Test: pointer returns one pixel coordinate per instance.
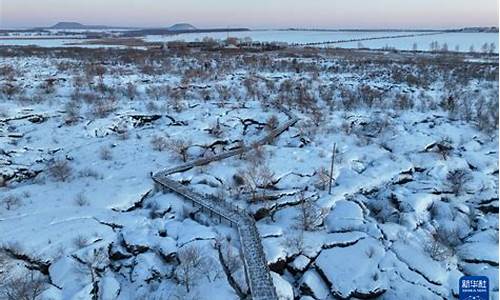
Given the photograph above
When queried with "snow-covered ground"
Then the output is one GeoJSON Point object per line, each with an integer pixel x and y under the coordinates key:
{"type": "Point", "coordinates": [400, 40]}
{"type": "Point", "coordinates": [414, 202]}
{"type": "Point", "coordinates": [454, 41]}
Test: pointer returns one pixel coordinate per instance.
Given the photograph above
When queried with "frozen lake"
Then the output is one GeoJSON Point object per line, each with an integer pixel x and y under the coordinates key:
{"type": "Point", "coordinates": [53, 42]}
{"type": "Point", "coordinates": [343, 39]}
{"type": "Point", "coordinates": [463, 40]}
{"type": "Point", "coordinates": [41, 42]}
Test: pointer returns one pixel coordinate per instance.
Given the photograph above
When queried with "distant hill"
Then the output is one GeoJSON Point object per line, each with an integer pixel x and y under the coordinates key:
{"type": "Point", "coordinates": [68, 25]}
{"type": "Point", "coordinates": [80, 26]}
{"type": "Point", "coordinates": [182, 27]}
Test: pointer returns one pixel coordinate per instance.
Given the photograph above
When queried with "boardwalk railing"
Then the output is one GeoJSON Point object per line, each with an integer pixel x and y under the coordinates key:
{"type": "Point", "coordinates": [256, 268]}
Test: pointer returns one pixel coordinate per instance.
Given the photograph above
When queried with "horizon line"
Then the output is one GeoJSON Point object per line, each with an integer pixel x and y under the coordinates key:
{"type": "Point", "coordinates": [250, 28]}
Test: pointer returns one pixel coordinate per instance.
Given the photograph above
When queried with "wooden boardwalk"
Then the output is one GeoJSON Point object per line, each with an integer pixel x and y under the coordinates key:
{"type": "Point", "coordinates": [256, 268]}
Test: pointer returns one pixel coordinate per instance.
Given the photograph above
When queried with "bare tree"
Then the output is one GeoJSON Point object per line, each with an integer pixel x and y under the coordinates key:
{"type": "Point", "coordinates": [323, 178]}
{"type": "Point", "coordinates": [295, 241]}
{"type": "Point", "coordinates": [11, 201]}
{"type": "Point", "coordinates": [190, 262]}
{"type": "Point", "coordinates": [94, 265]}
{"type": "Point", "coordinates": [216, 129]}
{"type": "Point", "coordinates": [26, 286]}
{"type": "Point", "coordinates": [210, 268]}
{"type": "Point", "coordinates": [310, 215]}
{"type": "Point", "coordinates": [224, 94]}
{"type": "Point", "coordinates": [130, 91]}
{"type": "Point", "coordinates": [72, 109]}
{"type": "Point", "coordinates": [231, 260]}
{"type": "Point", "coordinates": [180, 147]}
{"type": "Point", "coordinates": [272, 123]}
{"type": "Point", "coordinates": [159, 143]}
{"type": "Point", "coordinates": [256, 179]}
{"type": "Point", "coordinates": [457, 179]}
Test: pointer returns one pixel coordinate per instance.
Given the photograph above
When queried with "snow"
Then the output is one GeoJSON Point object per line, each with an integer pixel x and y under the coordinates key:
{"type": "Point", "coordinates": [345, 216]}
{"type": "Point", "coordinates": [109, 287]}
{"type": "Point", "coordinates": [354, 268]}
{"type": "Point", "coordinates": [389, 201]}
{"type": "Point", "coordinates": [342, 39]}
{"type": "Point", "coordinates": [311, 281]}
{"type": "Point", "coordinates": [462, 40]}
{"type": "Point", "coordinates": [413, 256]}
{"type": "Point", "coordinates": [283, 288]}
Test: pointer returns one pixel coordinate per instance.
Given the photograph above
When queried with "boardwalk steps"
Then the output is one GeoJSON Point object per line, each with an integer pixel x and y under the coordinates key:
{"type": "Point", "coordinates": [256, 268]}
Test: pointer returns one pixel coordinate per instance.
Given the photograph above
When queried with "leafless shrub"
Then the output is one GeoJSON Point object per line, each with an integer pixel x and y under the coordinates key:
{"type": "Point", "coordinates": [437, 251]}
{"type": "Point", "coordinates": [369, 96]}
{"type": "Point", "coordinates": [158, 92]}
{"type": "Point", "coordinates": [80, 241]}
{"type": "Point", "coordinates": [322, 178]}
{"type": "Point", "coordinates": [272, 123]}
{"type": "Point", "coordinates": [130, 91]}
{"type": "Point", "coordinates": [231, 260]}
{"type": "Point", "coordinates": [250, 84]}
{"type": "Point", "coordinates": [102, 107]}
{"type": "Point", "coordinates": [216, 129]}
{"type": "Point", "coordinates": [11, 201]}
{"type": "Point", "coordinates": [224, 94]}
{"type": "Point", "coordinates": [8, 71]}
{"type": "Point", "coordinates": [444, 243]}
{"type": "Point", "coordinates": [176, 99]}
{"type": "Point", "coordinates": [60, 169]}
{"type": "Point", "coordinates": [257, 155]}
{"type": "Point", "coordinates": [258, 178]}
{"type": "Point", "coordinates": [10, 89]}
{"type": "Point", "coordinates": [310, 215]}
{"type": "Point", "coordinates": [81, 200]}
{"type": "Point", "coordinates": [295, 241]}
{"type": "Point", "coordinates": [349, 99]}
{"type": "Point", "coordinates": [180, 147]}
{"type": "Point", "coordinates": [190, 262]}
{"type": "Point", "coordinates": [105, 153]}
{"type": "Point", "coordinates": [26, 286]}
{"type": "Point", "coordinates": [47, 86]}
{"type": "Point", "coordinates": [94, 69]}
{"type": "Point", "coordinates": [403, 102]}
{"type": "Point", "coordinates": [72, 115]}
{"type": "Point", "coordinates": [457, 179]}
{"type": "Point", "coordinates": [159, 143]}
{"type": "Point", "coordinates": [444, 147]}
{"type": "Point", "coordinates": [487, 115]}
{"type": "Point", "coordinates": [89, 173]}
{"type": "Point", "coordinates": [93, 265]}
{"type": "Point", "coordinates": [121, 130]}
{"type": "Point", "coordinates": [370, 252]}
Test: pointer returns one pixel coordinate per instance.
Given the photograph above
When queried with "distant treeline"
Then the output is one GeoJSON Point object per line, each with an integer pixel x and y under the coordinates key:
{"type": "Point", "coordinates": [467, 29]}
{"type": "Point", "coordinates": [161, 31]}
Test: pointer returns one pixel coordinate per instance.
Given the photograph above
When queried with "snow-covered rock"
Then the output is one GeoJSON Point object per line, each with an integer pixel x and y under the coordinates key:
{"type": "Point", "coordinates": [345, 216]}
{"type": "Point", "coordinates": [353, 271]}
{"type": "Point", "coordinates": [284, 289]}
{"type": "Point", "coordinates": [312, 284]}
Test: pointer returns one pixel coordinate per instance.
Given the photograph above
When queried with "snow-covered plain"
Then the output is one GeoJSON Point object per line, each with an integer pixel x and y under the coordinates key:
{"type": "Point", "coordinates": [463, 41]}
{"type": "Point", "coordinates": [460, 42]}
{"type": "Point", "coordinates": [414, 205]}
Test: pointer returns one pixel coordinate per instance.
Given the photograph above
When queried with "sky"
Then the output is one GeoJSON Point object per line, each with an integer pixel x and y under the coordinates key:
{"type": "Point", "coordinates": [253, 13]}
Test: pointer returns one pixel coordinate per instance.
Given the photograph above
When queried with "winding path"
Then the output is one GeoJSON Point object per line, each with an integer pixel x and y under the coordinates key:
{"type": "Point", "coordinates": [256, 268]}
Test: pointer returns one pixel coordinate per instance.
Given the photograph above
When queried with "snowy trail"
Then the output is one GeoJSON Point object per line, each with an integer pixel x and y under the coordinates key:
{"type": "Point", "coordinates": [256, 268]}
